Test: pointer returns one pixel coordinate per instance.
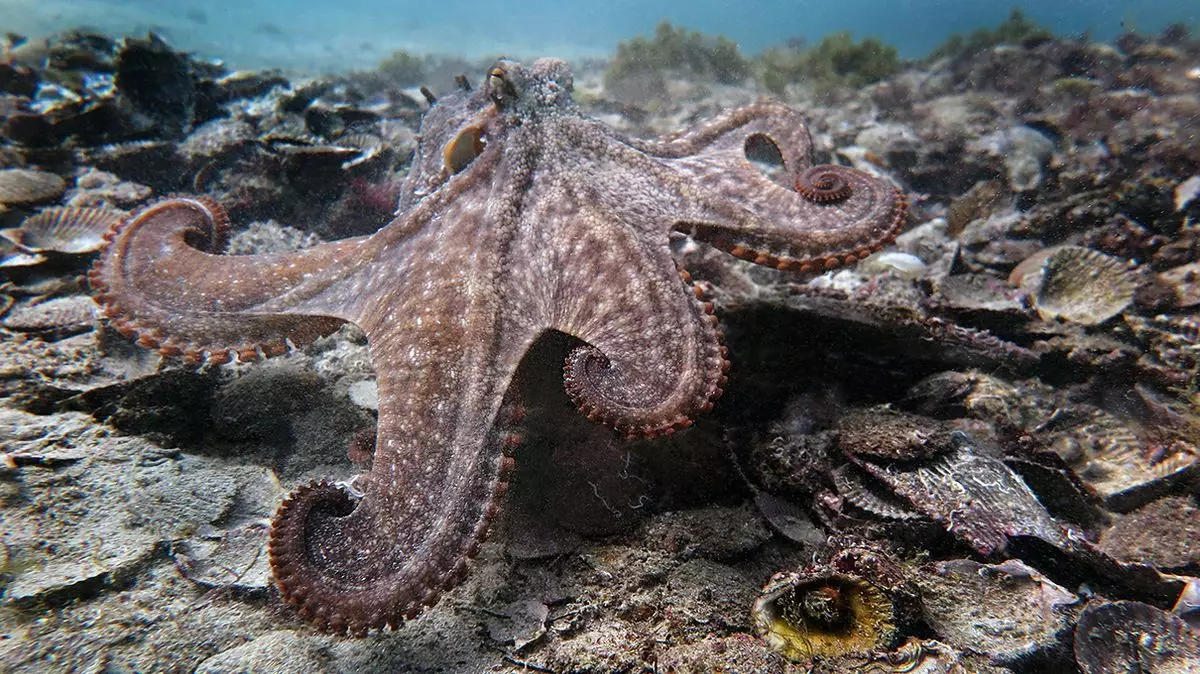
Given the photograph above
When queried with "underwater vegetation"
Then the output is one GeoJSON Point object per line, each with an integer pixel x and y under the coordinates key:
{"type": "Point", "coordinates": [1016, 29]}
{"type": "Point", "coordinates": [836, 61]}
{"type": "Point", "coordinates": [403, 68]}
{"type": "Point", "coordinates": [676, 49]}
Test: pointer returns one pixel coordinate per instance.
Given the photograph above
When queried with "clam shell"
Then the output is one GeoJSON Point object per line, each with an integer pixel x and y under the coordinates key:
{"type": "Point", "coordinates": [65, 230]}
{"type": "Point", "coordinates": [26, 186]}
{"type": "Point", "coordinates": [1129, 636]}
{"type": "Point", "coordinates": [1084, 286]}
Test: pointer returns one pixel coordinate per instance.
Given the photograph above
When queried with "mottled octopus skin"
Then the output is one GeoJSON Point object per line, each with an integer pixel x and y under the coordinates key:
{"type": "Point", "coordinates": [519, 216]}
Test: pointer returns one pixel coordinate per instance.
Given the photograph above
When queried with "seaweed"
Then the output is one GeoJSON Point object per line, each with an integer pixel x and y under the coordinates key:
{"type": "Point", "coordinates": [838, 61]}
{"type": "Point", "coordinates": [403, 68]}
{"type": "Point", "coordinates": [1016, 29]}
{"type": "Point", "coordinates": [676, 49]}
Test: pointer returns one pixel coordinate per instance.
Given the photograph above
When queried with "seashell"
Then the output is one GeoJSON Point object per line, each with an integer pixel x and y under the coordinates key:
{"type": "Point", "coordinates": [1186, 192]}
{"type": "Point", "coordinates": [368, 146]}
{"type": "Point", "coordinates": [978, 294]}
{"type": "Point", "coordinates": [1115, 462]}
{"type": "Point", "coordinates": [12, 255]}
{"type": "Point", "coordinates": [1185, 281]}
{"type": "Point", "coordinates": [149, 162]}
{"type": "Point", "coordinates": [1007, 610]}
{"type": "Point", "coordinates": [1129, 636]}
{"type": "Point", "coordinates": [158, 82]}
{"type": "Point", "coordinates": [904, 265]}
{"type": "Point", "coordinates": [823, 613]}
{"type": "Point", "coordinates": [1083, 286]}
{"type": "Point", "coordinates": [974, 496]}
{"type": "Point", "coordinates": [852, 485]}
{"type": "Point", "coordinates": [26, 186]}
{"type": "Point", "coordinates": [1162, 534]}
{"type": "Point", "coordinates": [65, 230]}
{"type": "Point", "coordinates": [927, 656]}
{"type": "Point", "coordinates": [64, 314]}
{"type": "Point", "coordinates": [882, 433]}
{"type": "Point", "coordinates": [982, 200]}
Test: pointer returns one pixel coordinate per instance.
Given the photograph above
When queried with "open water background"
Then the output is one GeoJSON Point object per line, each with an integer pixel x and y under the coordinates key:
{"type": "Point", "coordinates": [324, 35]}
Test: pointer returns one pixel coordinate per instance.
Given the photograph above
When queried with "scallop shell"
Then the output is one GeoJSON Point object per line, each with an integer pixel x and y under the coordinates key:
{"type": "Point", "coordinates": [1116, 463]}
{"type": "Point", "coordinates": [1084, 286]}
{"type": "Point", "coordinates": [1129, 636]}
{"type": "Point", "coordinates": [368, 146]}
{"type": "Point", "coordinates": [1008, 610]}
{"type": "Point", "coordinates": [852, 486]}
{"type": "Point", "coordinates": [26, 186]}
{"type": "Point", "coordinates": [65, 230]}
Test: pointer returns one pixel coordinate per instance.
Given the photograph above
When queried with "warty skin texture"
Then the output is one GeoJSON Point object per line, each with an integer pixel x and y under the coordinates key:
{"type": "Point", "coordinates": [519, 216]}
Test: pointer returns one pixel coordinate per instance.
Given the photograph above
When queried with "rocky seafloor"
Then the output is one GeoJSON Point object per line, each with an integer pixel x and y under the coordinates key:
{"type": "Point", "coordinates": [975, 451]}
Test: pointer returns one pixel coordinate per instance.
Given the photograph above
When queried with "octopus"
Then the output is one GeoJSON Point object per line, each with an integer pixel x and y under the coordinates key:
{"type": "Point", "coordinates": [519, 215]}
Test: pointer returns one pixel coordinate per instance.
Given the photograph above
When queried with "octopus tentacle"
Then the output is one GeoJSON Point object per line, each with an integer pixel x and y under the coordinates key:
{"type": "Point", "coordinates": [351, 563]}
{"type": "Point", "coordinates": [823, 185]}
{"type": "Point", "coordinates": [810, 219]}
{"type": "Point", "coordinates": [444, 354]}
{"type": "Point", "coordinates": [640, 379]}
{"type": "Point", "coordinates": [162, 281]}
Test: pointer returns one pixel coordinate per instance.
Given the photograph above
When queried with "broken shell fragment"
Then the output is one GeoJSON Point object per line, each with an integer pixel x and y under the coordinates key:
{"type": "Point", "coordinates": [64, 230]}
{"type": "Point", "coordinates": [12, 255]}
{"type": "Point", "coordinates": [1129, 636]}
{"type": "Point", "coordinates": [1083, 286]}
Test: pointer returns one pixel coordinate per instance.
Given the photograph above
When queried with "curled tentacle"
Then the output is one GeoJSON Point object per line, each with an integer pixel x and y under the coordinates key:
{"type": "Point", "coordinates": [162, 281]}
{"type": "Point", "coordinates": [807, 218]}
{"type": "Point", "coordinates": [824, 184]}
{"type": "Point", "coordinates": [338, 560]}
{"type": "Point", "coordinates": [646, 402]}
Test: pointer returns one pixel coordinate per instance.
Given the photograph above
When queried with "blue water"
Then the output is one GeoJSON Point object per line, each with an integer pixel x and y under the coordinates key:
{"type": "Point", "coordinates": [325, 35]}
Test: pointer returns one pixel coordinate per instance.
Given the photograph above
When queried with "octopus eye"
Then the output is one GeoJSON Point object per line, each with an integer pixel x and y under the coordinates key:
{"type": "Point", "coordinates": [463, 148]}
{"type": "Point", "coordinates": [500, 87]}
{"type": "Point", "coordinates": [496, 77]}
